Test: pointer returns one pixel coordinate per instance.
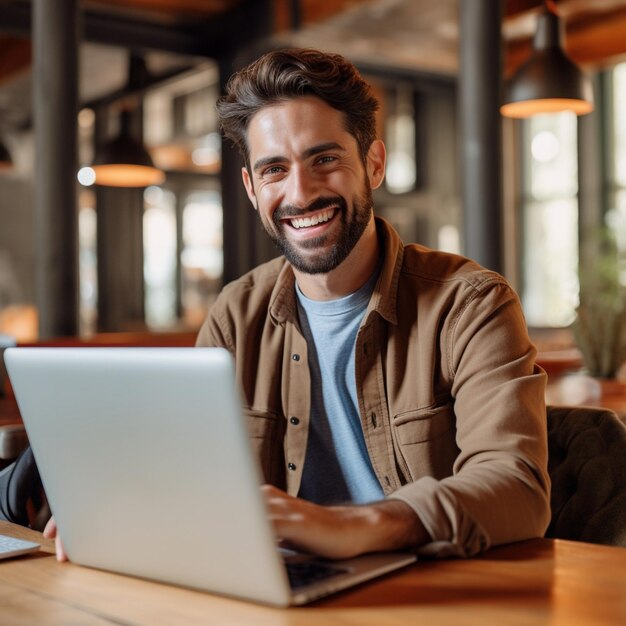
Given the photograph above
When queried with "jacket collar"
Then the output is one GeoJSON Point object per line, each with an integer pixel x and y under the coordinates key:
{"type": "Point", "coordinates": [283, 306]}
{"type": "Point", "coordinates": [384, 298]}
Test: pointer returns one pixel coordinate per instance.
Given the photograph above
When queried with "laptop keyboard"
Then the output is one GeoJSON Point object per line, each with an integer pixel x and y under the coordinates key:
{"type": "Point", "coordinates": [10, 547]}
{"type": "Point", "coordinates": [304, 573]}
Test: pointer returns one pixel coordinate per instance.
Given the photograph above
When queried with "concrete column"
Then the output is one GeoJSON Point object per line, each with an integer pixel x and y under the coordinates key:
{"type": "Point", "coordinates": [55, 103]}
{"type": "Point", "coordinates": [480, 80]}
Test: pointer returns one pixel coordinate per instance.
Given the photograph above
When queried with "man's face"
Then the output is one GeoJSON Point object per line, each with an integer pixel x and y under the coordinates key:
{"type": "Point", "coordinates": [308, 182]}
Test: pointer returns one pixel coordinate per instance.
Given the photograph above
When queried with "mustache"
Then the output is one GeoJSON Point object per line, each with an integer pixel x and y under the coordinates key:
{"type": "Point", "coordinates": [290, 210]}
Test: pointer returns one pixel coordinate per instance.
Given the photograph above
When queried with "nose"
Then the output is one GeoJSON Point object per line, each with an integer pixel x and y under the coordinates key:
{"type": "Point", "coordinates": [301, 188]}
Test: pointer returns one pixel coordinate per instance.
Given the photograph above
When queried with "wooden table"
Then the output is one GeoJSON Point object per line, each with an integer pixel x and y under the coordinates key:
{"type": "Point", "coordinates": [542, 581]}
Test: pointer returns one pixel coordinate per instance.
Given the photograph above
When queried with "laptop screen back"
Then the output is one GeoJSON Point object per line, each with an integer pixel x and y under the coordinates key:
{"type": "Point", "coordinates": [147, 465]}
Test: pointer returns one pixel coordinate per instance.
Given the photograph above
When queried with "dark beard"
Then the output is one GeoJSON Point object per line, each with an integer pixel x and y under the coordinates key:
{"type": "Point", "coordinates": [352, 231]}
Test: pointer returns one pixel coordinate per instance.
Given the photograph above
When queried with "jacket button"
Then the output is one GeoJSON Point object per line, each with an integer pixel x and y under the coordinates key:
{"type": "Point", "coordinates": [291, 466]}
{"type": "Point", "coordinates": [294, 420]}
{"type": "Point", "coordinates": [295, 357]}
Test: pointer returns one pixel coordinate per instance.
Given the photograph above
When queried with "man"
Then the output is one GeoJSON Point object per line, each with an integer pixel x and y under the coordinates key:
{"type": "Point", "coordinates": [390, 391]}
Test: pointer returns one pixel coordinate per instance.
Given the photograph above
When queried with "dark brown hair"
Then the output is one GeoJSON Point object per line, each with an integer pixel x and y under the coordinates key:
{"type": "Point", "coordinates": [286, 74]}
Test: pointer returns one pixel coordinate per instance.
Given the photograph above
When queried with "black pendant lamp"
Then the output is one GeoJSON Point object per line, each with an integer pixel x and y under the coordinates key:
{"type": "Point", "coordinates": [549, 81]}
{"type": "Point", "coordinates": [124, 161]}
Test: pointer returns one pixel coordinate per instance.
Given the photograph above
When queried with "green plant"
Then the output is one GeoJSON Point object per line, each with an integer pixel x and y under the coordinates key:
{"type": "Point", "coordinates": [600, 325]}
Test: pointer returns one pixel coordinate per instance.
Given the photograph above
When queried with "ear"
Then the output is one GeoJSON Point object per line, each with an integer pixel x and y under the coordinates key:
{"type": "Point", "coordinates": [249, 185]}
{"type": "Point", "coordinates": [375, 163]}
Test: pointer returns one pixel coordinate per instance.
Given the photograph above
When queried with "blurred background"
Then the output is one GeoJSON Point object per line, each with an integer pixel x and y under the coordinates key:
{"type": "Point", "coordinates": [80, 255]}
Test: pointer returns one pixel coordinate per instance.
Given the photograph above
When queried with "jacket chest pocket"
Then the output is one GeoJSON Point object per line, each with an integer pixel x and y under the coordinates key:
{"type": "Point", "coordinates": [266, 432]}
{"type": "Point", "coordinates": [425, 440]}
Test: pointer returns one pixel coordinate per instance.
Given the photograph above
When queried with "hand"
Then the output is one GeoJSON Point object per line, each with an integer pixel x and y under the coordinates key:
{"type": "Point", "coordinates": [50, 532]}
{"type": "Point", "coordinates": [339, 532]}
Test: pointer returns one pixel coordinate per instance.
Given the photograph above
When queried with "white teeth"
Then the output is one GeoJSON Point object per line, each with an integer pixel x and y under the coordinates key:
{"type": "Point", "coordinates": [304, 222]}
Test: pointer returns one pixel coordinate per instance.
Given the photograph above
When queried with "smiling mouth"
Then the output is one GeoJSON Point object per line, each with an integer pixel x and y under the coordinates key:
{"type": "Point", "coordinates": [312, 220]}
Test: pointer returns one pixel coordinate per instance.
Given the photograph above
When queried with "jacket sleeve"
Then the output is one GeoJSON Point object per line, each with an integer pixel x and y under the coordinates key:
{"type": "Point", "coordinates": [499, 489]}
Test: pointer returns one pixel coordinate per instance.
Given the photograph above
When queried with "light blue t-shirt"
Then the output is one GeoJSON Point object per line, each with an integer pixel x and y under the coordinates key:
{"type": "Point", "coordinates": [337, 468]}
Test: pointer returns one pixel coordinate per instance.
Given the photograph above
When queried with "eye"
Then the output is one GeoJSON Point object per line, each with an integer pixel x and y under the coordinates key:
{"type": "Point", "coordinates": [327, 158]}
{"type": "Point", "coordinates": [273, 170]}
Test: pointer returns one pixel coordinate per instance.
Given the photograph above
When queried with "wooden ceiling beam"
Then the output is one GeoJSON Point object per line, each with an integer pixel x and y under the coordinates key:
{"type": "Point", "coordinates": [309, 11]}
{"type": "Point", "coordinates": [211, 37]}
{"type": "Point", "coordinates": [513, 8]}
{"type": "Point", "coordinates": [590, 40]}
{"type": "Point", "coordinates": [597, 39]}
{"type": "Point", "coordinates": [176, 9]}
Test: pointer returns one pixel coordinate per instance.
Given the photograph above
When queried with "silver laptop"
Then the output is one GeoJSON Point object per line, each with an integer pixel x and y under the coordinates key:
{"type": "Point", "coordinates": [146, 462]}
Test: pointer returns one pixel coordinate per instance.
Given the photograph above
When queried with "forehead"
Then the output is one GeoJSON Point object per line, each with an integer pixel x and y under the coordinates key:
{"type": "Point", "coordinates": [295, 125]}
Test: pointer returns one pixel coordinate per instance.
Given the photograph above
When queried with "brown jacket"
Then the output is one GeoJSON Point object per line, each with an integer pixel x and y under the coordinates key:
{"type": "Point", "coordinates": [451, 403]}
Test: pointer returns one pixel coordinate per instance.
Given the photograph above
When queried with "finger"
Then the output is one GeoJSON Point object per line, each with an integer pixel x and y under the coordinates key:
{"type": "Point", "coordinates": [58, 544]}
{"type": "Point", "coordinates": [50, 531]}
{"type": "Point", "coordinates": [269, 492]}
{"type": "Point", "coordinates": [277, 501]}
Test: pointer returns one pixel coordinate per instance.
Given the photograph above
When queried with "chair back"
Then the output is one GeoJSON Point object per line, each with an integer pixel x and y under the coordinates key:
{"type": "Point", "coordinates": [587, 466]}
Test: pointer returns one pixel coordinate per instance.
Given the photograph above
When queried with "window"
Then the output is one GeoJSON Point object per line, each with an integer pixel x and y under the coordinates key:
{"type": "Point", "coordinates": [616, 215]}
{"type": "Point", "coordinates": [549, 206]}
{"type": "Point", "coordinates": [202, 257]}
{"type": "Point", "coordinates": [400, 139]}
{"type": "Point", "coordinates": [183, 256]}
{"type": "Point", "coordinates": [87, 262]}
{"type": "Point", "coordinates": [159, 253]}
{"type": "Point", "coordinates": [549, 216]}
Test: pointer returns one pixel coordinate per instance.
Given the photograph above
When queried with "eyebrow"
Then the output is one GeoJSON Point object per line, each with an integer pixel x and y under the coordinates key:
{"type": "Point", "coordinates": [309, 152]}
{"type": "Point", "coordinates": [323, 147]}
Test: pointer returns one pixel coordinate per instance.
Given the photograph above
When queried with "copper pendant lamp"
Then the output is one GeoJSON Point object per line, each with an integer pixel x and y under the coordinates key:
{"type": "Point", "coordinates": [124, 161]}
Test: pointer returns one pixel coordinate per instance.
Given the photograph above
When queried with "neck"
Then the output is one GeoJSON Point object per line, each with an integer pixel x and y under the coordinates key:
{"type": "Point", "coordinates": [350, 275]}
